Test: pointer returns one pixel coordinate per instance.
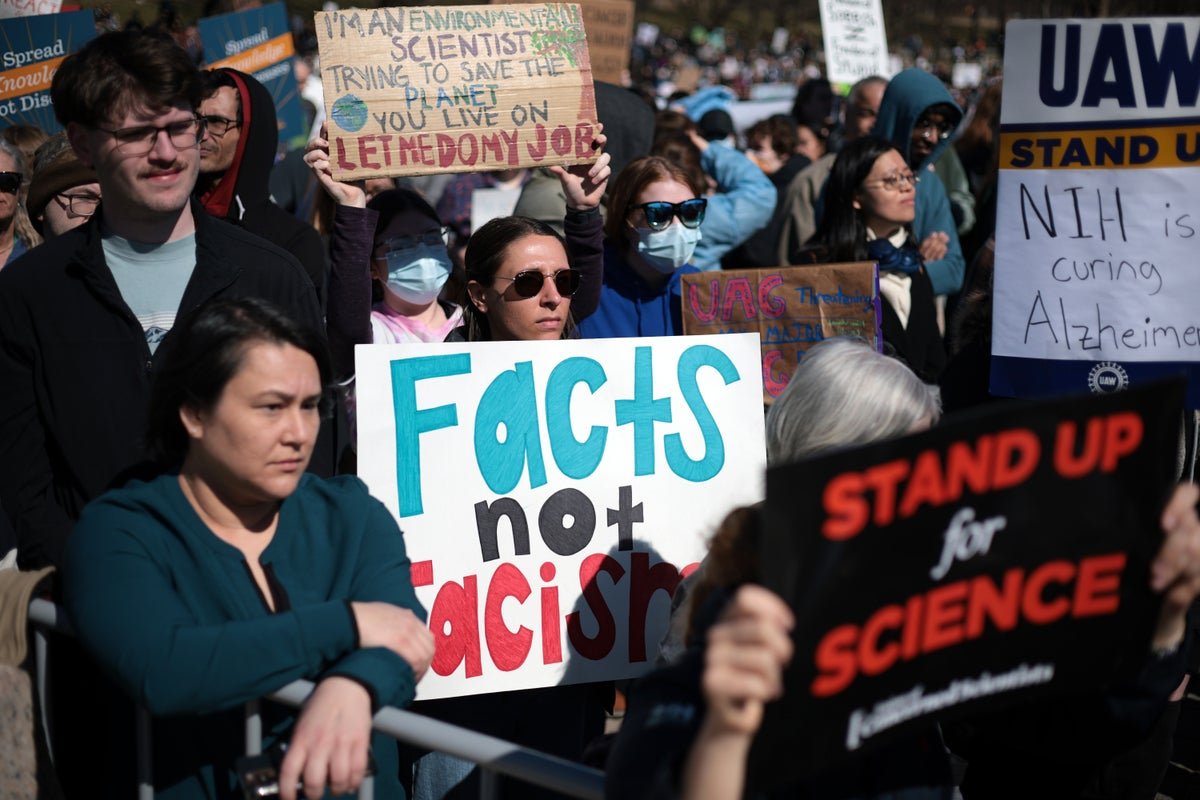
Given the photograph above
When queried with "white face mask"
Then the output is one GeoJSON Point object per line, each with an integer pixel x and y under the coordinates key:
{"type": "Point", "coordinates": [669, 249]}
{"type": "Point", "coordinates": [416, 275]}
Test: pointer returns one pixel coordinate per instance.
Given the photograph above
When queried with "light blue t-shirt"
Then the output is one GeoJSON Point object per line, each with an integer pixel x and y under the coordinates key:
{"type": "Point", "coordinates": [151, 278]}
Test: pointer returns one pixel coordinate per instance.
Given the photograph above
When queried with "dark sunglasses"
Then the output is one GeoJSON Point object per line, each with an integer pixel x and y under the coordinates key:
{"type": "Point", "coordinates": [529, 283]}
{"type": "Point", "coordinates": [10, 182]}
{"type": "Point", "coordinates": [659, 213]}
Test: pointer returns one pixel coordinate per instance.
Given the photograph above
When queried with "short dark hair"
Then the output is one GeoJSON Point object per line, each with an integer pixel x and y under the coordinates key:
{"type": "Point", "coordinates": [117, 72]}
{"type": "Point", "coordinates": [486, 250]}
{"type": "Point", "coordinates": [202, 355]}
{"type": "Point", "coordinates": [213, 79]}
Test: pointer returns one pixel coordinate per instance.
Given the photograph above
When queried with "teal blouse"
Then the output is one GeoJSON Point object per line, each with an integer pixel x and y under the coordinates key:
{"type": "Point", "coordinates": [174, 615]}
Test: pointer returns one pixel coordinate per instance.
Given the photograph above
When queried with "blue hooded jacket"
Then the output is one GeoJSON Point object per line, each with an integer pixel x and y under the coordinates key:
{"type": "Point", "coordinates": [907, 96]}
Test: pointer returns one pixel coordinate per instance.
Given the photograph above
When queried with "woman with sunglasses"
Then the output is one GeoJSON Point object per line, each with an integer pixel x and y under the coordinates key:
{"type": "Point", "coordinates": [653, 227]}
{"type": "Point", "coordinates": [870, 204]}
{"type": "Point", "coordinates": [404, 241]}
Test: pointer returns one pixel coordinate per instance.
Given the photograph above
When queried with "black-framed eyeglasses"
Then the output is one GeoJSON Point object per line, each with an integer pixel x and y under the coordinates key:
{"type": "Point", "coordinates": [138, 141]}
{"type": "Point", "coordinates": [80, 204]}
{"type": "Point", "coordinates": [10, 182]}
{"type": "Point", "coordinates": [430, 238]}
{"type": "Point", "coordinates": [218, 126]}
{"type": "Point", "coordinates": [659, 213]}
{"type": "Point", "coordinates": [896, 181]}
{"type": "Point", "coordinates": [940, 130]}
{"type": "Point", "coordinates": [529, 283]}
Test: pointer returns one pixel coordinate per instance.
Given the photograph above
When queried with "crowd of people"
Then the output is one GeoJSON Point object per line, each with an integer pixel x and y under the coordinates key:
{"type": "Point", "coordinates": [179, 307]}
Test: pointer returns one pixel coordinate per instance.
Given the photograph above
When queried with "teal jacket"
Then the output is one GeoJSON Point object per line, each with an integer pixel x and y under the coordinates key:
{"type": "Point", "coordinates": [907, 96]}
{"type": "Point", "coordinates": [175, 616]}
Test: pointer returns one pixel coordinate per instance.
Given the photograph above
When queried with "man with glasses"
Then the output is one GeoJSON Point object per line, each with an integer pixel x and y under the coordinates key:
{"type": "Point", "coordinates": [917, 115]}
{"type": "Point", "coordinates": [236, 155]}
{"type": "Point", "coordinates": [82, 316]}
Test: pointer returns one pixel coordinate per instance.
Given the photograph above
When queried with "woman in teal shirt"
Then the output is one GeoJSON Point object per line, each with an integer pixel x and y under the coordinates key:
{"type": "Point", "coordinates": [237, 573]}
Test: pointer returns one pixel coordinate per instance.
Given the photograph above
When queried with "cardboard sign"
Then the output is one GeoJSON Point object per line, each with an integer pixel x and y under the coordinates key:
{"type": "Point", "coordinates": [855, 41]}
{"type": "Point", "coordinates": [996, 558]}
{"type": "Point", "coordinates": [259, 43]}
{"type": "Point", "coordinates": [551, 493]}
{"type": "Point", "coordinates": [609, 27]}
{"type": "Point", "coordinates": [1097, 215]}
{"type": "Point", "coordinates": [28, 8]}
{"type": "Point", "coordinates": [412, 91]}
{"type": "Point", "coordinates": [792, 308]}
{"type": "Point", "coordinates": [35, 47]}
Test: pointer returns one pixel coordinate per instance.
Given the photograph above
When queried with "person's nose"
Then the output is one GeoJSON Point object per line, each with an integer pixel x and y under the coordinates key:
{"type": "Point", "coordinates": [550, 298]}
{"type": "Point", "coordinates": [164, 149]}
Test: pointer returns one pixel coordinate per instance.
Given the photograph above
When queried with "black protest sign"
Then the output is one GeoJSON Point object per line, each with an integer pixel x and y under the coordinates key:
{"type": "Point", "coordinates": [1002, 556]}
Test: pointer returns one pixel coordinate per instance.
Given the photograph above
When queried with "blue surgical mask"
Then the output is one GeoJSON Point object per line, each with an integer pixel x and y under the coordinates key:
{"type": "Point", "coordinates": [417, 274]}
{"type": "Point", "coordinates": [669, 249]}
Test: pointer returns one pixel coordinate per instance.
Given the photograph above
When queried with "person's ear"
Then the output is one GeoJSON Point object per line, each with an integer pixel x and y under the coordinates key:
{"type": "Point", "coordinates": [193, 422]}
{"type": "Point", "coordinates": [856, 204]}
{"type": "Point", "coordinates": [477, 294]}
{"type": "Point", "coordinates": [77, 135]}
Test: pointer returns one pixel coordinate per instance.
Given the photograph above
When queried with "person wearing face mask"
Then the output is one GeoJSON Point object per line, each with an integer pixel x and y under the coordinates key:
{"type": "Point", "coordinates": [405, 242]}
{"type": "Point", "coordinates": [653, 227]}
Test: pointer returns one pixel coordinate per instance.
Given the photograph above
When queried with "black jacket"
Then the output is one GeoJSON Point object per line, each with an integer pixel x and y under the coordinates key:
{"type": "Point", "coordinates": [244, 196]}
{"type": "Point", "coordinates": [75, 367]}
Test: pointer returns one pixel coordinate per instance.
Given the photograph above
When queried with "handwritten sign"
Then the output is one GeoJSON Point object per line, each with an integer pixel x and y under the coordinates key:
{"type": "Point", "coordinates": [28, 8]}
{"type": "Point", "coordinates": [35, 47]}
{"type": "Point", "coordinates": [609, 27]}
{"type": "Point", "coordinates": [990, 560]}
{"type": "Point", "coordinates": [552, 493]}
{"type": "Point", "coordinates": [258, 42]}
{"type": "Point", "coordinates": [855, 41]}
{"type": "Point", "coordinates": [792, 308]}
{"type": "Point", "coordinates": [411, 91]}
{"type": "Point", "coordinates": [1097, 214]}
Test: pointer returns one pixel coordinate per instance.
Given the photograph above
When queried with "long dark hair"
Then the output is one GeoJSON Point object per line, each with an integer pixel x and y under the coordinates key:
{"type": "Point", "coordinates": [202, 355]}
{"type": "Point", "coordinates": [486, 250]}
{"type": "Point", "coordinates": [842, 232]}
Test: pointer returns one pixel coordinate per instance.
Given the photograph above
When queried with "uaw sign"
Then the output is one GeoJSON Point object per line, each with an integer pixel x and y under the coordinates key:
{"type": "Point", "coordinates": [552, 494]}
{"type": "Point", "coordinates": [1097, 215]}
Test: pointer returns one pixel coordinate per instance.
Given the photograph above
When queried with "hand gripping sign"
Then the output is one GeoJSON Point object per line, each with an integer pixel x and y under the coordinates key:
{"type": "Point", "coordinates": [998, 557]}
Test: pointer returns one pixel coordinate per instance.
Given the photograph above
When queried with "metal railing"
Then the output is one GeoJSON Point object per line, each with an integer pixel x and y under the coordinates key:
{"type": "Point", "coordinates": [496, 758]}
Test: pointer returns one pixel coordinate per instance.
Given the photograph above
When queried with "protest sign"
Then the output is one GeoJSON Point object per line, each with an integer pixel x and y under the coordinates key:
{"type": "Point", "coordinates": [36, 46]}
{"type": "Point", "coordinates": [551, 493]}
{"type": "Point", "coordinates": [855, 41]}
{"type": "Point", "coordinates": [998, 557]}
{"type": "Point", "coordinates": [792, 308]}
{"type": "Point", "coordinates": [609, 28]}
{"type": "Point", "coordinates": [28, 8]}
{"type": "Point", "coordinates": [1096, 209]}
{"type": "Point", "coordinates": [259, 43]}
{"type": "Point", "coordinates": [412, 91]}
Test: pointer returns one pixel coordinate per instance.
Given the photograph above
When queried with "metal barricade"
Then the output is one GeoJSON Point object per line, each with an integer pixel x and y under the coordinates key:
{"type": "Point", "coordinates": [496, 758]}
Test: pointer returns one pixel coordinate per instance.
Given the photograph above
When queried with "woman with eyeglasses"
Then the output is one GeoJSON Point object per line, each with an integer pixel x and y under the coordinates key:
{"type": "Point", "coordinates": [653, 227]}
{"type": "Point", "coordinates": [870, 204]}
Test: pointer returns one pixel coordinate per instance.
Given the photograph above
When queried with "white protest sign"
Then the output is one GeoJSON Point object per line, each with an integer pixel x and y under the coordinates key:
{"type": "Point", "coordinates": [489, 203]}
{"type": "Point", "coordinates": [551, 493]}
{"type": "Point", "coordinates": [28, 8]}
{"type": "Point", "coordinates": [1097, 216]}
{"type": "Point", "coordinates": [855, 41]}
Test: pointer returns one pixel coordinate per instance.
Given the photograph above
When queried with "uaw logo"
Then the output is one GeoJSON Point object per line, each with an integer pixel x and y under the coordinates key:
{"type": "Point", "coordinates": [1107, 377]}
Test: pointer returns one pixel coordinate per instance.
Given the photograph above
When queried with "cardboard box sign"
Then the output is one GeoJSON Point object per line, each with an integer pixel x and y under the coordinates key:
{"type": "Point", "coordinates": [609, 26]}
{"type": "Point", "coordinates": [792, 308]}
{"type": "Point", "coordinates": [1000, 557]}
{"type": "Point", "coordinates": [412, 91]}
